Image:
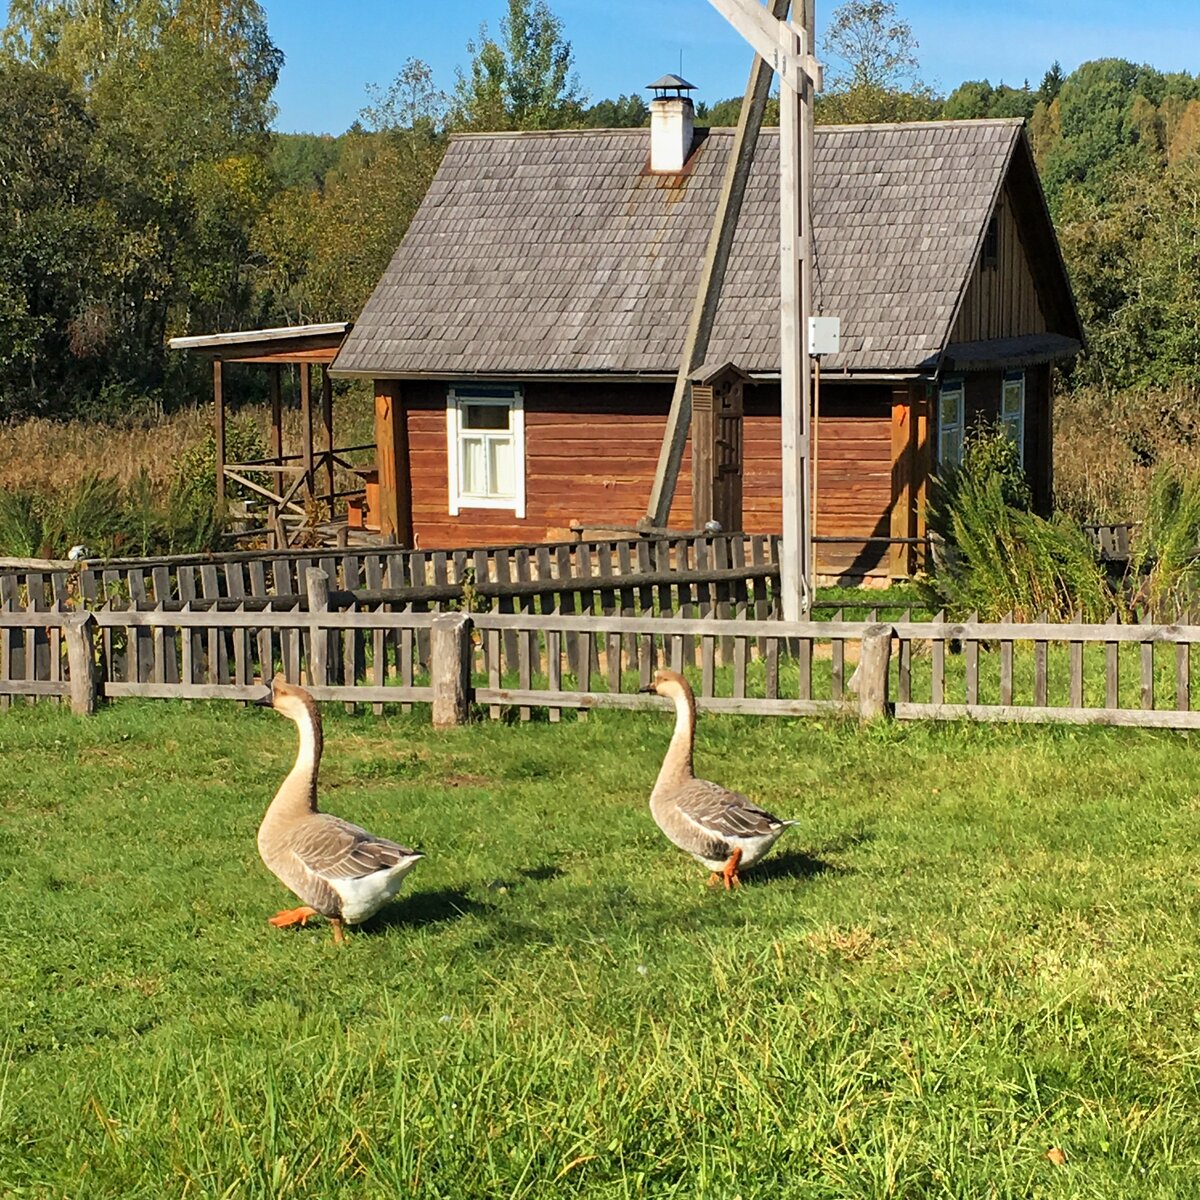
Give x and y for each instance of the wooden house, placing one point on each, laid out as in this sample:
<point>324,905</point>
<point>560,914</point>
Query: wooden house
<point>525,337</point>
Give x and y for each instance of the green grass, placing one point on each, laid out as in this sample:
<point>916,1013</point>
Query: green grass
<point>978,944</point>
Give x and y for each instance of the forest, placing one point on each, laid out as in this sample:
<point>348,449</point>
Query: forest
<point>146,196</point>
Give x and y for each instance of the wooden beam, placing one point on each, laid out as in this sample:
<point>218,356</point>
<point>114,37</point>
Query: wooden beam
<point>712,277</point>
<point>327,421</point>
<point>903,524</point>
<point>391,460</point>
<point>786,55</point>
<point>276,388</point>
<point>795,304</point>
<point>922,466</point>
<point>306,426</point>
<point>219,427</point>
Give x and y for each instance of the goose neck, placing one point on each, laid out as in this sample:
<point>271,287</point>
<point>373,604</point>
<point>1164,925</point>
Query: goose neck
<point>298,792</point>
<point>677,766</point>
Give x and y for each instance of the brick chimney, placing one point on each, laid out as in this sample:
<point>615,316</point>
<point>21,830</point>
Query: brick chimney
<point>671,124</point>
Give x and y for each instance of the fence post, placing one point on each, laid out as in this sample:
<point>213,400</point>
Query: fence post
<point>450,668</point>
<point>80,635</point>
<point>316,583</point>
<point>870,680</point>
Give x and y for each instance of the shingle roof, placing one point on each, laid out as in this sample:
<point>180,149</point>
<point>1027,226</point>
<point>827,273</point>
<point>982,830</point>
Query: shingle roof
<point>559,252</point>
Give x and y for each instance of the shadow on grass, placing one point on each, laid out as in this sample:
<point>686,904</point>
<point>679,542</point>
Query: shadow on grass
<point>428,908</point>
<point>793,864</point>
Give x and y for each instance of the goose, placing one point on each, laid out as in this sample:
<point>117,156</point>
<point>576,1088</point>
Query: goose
<point>339,870</point>
<point>720,829</point>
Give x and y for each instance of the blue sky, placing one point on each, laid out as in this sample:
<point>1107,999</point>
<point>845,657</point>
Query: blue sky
<point>335,48</point>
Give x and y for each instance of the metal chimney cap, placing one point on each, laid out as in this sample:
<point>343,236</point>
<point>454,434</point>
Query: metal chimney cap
<point>674,83</point>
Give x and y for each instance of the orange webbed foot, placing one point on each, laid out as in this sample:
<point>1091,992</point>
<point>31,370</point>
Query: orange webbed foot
<point>292,916</point>
<point>730,871</point>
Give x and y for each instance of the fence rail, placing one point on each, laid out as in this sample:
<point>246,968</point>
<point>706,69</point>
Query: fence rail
<point>523,663</point>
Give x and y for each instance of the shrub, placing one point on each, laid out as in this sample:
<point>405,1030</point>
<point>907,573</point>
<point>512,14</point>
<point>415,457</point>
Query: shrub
<point>998,556</point>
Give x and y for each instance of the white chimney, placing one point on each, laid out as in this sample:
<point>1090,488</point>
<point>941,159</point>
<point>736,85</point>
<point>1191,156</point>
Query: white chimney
<point>671,124</point>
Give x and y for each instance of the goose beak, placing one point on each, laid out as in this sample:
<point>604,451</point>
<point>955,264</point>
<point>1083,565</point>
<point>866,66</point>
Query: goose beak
<point>266,699</point>
<point>649,688</point>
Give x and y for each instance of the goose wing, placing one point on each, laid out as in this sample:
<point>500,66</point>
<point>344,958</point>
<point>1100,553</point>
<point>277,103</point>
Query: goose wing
<point>336,849</point>
<point>724,814</point>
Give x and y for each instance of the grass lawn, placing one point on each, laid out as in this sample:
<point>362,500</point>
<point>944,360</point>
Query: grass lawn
<point>978,945</point>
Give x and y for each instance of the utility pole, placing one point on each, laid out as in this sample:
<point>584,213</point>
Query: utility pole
<point>788,48</point>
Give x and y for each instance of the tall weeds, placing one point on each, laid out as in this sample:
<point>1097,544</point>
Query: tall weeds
<point>997,556</point>
<point>1166,550</point>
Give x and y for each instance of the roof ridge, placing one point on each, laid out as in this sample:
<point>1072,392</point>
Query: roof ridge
<point>729,130</point>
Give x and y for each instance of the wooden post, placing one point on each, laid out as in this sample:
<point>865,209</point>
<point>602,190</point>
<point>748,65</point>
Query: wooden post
<point>306,427</point>
<point>870,680</point>
<point>903,438</point>
<point>276,381</point>
<point>316,584</point>
<point>219,427</point>
<point>450,669</point>
<point>327,421</point>
<point>391,461</point>
<point>922,468</point>
<point>80,635</point>
<point>712,277</point>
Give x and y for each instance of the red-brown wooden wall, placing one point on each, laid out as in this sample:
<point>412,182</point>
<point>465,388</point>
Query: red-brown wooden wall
<point>591,451</point>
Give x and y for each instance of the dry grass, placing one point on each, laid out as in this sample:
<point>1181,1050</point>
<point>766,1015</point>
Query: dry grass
<point>1107,448</point>
<point>43,456</point>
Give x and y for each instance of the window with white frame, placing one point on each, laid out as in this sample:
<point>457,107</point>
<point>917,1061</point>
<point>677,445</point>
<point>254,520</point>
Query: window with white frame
<point>951,420</point>
<point>485,442</point>
<point>1012,410</point>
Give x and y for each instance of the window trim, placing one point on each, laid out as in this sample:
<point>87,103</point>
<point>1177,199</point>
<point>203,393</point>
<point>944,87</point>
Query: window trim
<point>953,384</point>
<point>511,395</point>
<point>1015,377</point>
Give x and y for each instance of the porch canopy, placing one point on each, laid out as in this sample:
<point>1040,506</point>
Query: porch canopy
<point>295,475</point>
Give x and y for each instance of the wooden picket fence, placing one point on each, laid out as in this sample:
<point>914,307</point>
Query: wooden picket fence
<point>703,574</point>
<point>521,664</point>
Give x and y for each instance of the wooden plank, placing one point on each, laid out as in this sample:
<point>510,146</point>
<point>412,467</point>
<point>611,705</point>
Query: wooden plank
<point>554,670</point>
<point>971,655</point>
<point>1006,673</point>
<point>31,689</point>
<point>1147,658</point>
<point>1183,677</point>
<point>230,691</point>
<point>493,670</point>
<point>256,572</point>
<point>8,602</point>
<point>838,658</point>
<point>771,658</point>
<point>1040,714</point>
<point>938,662</point>
<point>750,706</point>
<point>1075,658</point>
<point>1112,689</point>
<point>166,653</point>
<point>901,521</point>
<point>217,663</point>
<point>235,589</point>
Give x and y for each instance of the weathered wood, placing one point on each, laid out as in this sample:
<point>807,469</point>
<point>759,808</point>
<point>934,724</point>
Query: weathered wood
<point>80,636</point>
<point>391,440</point>
<point>1041,714</point>
<point>450,669</point>
<point>748,706</point>
<point>870,679</point>
<point>219,427</point>
<point>316,583</point>
<point>712,278</point>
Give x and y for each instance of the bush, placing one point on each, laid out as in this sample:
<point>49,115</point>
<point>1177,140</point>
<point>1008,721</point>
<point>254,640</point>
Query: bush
<point>997,556</point>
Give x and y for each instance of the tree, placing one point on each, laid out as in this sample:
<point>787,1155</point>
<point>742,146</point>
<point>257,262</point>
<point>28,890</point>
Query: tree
<point>875,47</point>
<point>625,112</point>
<point>877,79</point>
<point>1051,84</point>
<point>53,319</point>
<point>179,95</point>
<point>524,81</point>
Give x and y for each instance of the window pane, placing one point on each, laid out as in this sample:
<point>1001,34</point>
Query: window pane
<point>500,457</point>
<point>474,466</point>
<point>1012,400</point>
<point>951,448</point>
<point>485,416</point>
<point>951,408</point>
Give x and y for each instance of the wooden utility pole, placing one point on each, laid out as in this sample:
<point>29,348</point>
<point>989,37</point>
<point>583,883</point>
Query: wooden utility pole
<point>712,278</point>
<point>788,48</point>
